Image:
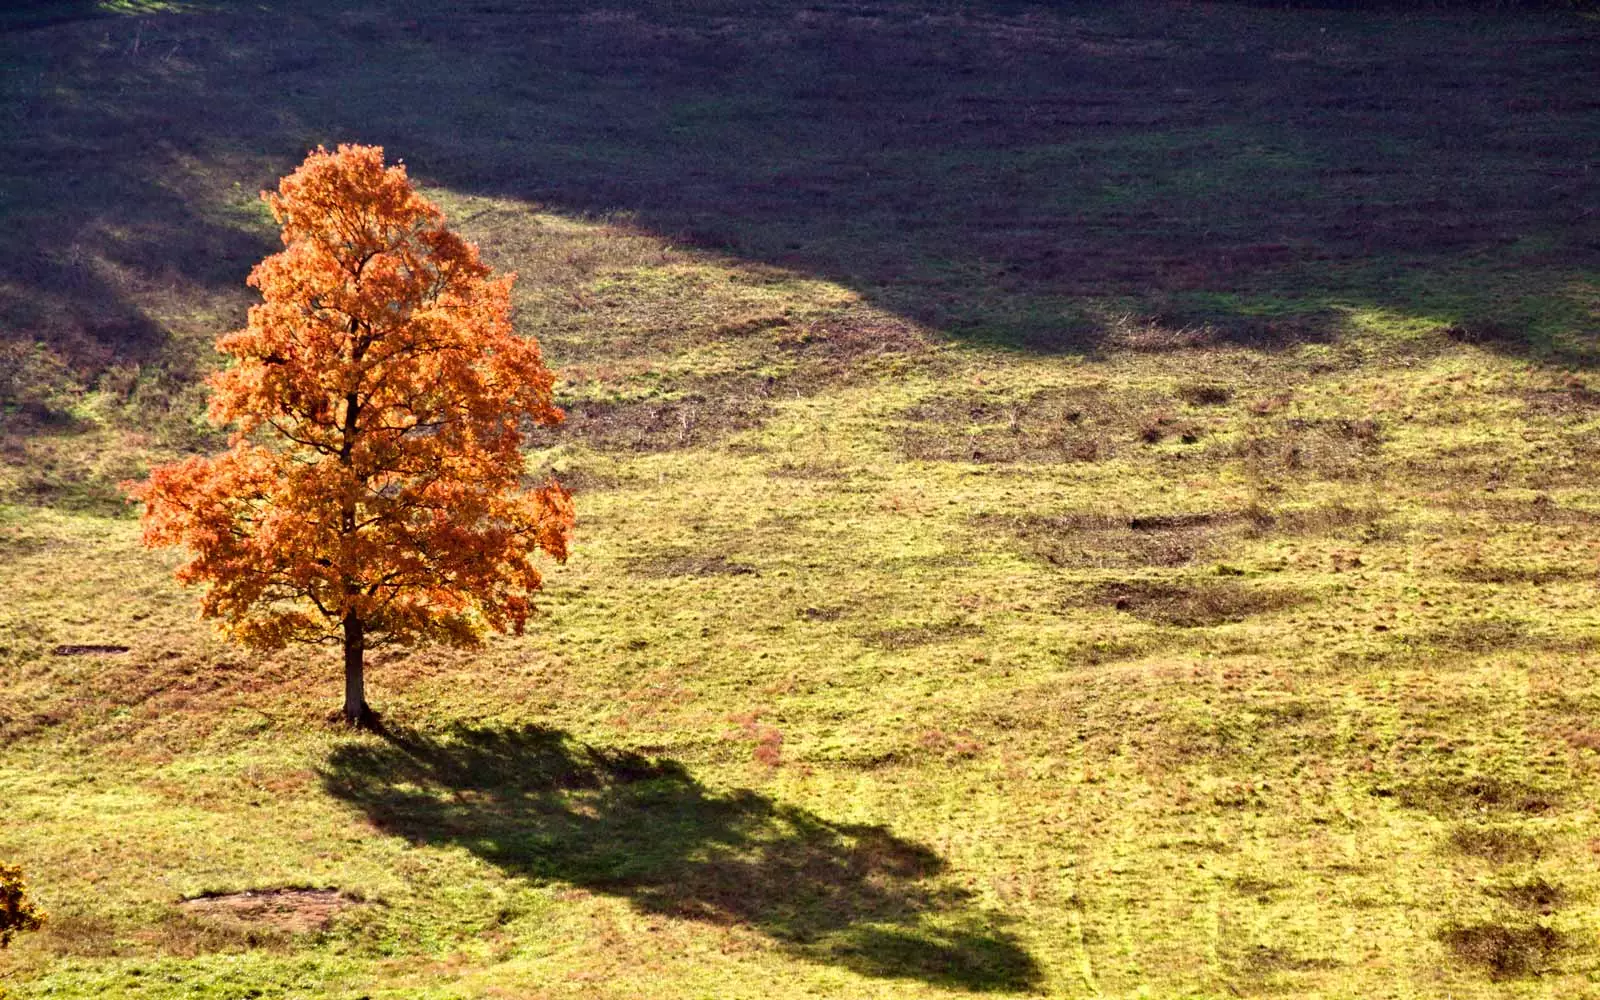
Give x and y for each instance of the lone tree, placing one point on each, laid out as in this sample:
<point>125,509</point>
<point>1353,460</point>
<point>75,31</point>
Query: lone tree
<point>372,493</point>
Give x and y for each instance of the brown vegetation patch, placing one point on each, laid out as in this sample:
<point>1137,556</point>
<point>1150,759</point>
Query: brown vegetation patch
<point>577,480</point>
<point>88,649</point>
<point>1490,333</point>
<point>809,469</point>
<point>1264,959</point>
<point>1584,739</point>
<point>1196,604</point>
<point>816,614</point>
<point>1499,844</point>
<point>688,420</point>
<point>1541,509</point>
<point>1151,336</point>
<point>1081,424</point>
<point>165,693</point>
<point>1159,426</point>
<point>1531,894</point>
<point>1491,635</point>
<point>836,346</point>
<point>1573,400</point>
<point>1083,539</point>
<point>687,563</point>
<point>1169,331</point>
<point>1336,448</point>
<point>1049,447</point>
<point>193,935</point>
<point>1249,885</point>
<point>1502,573</point>
<point>1319,520</point>
<point>180,934</point>
<point>1266,406</point>
<point>923,634</point>
<point>1204,393</point>
<point>1474,794</point>
<point>81,935</point>
<point>1506,952</point>
<point>290,911</point>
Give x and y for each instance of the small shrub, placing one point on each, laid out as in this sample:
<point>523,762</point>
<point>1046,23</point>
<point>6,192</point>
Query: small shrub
<point>17,912</point>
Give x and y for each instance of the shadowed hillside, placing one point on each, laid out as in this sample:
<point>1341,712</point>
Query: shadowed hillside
<point>1011,173</point>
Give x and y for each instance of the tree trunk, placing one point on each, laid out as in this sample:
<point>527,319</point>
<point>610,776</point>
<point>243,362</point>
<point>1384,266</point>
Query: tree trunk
<point>355,690</point>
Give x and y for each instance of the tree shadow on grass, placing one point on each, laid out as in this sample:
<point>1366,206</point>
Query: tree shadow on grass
<point>543,806</point>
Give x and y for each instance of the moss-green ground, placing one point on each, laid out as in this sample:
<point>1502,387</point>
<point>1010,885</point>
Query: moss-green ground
<point>1105,506</point>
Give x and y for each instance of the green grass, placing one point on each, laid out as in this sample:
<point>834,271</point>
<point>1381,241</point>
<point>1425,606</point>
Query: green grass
<point>1103,504</point>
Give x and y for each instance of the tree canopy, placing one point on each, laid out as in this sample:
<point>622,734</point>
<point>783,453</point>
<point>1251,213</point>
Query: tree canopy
<point>373,490</point>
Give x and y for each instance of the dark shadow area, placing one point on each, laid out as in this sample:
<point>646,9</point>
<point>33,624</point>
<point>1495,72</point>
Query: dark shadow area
<point>543,806</point>
<point>20,15</point>
<point>1006,173</point>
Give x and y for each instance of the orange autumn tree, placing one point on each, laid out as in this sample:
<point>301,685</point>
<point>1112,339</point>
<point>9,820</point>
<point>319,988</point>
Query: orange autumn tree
<point>378,398</point>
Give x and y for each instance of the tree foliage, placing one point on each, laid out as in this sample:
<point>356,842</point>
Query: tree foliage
<point>378,397</point>
<point>17,912</point>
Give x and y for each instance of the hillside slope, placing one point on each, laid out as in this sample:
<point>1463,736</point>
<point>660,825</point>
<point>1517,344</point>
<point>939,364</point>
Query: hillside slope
<point>1084,502</point>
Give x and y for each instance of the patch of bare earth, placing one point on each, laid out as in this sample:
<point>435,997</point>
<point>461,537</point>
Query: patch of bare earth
<point>291,911</point>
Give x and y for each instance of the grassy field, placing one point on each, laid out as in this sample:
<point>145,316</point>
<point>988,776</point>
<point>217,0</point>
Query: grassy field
<point>1075,501</point>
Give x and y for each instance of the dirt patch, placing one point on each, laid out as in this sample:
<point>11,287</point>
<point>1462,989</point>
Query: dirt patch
<point>1151,336</point>
<point>1048,447</point>
<point>1204,393</point>
<point>687,420</point>
<point>1490,333</point>
<point>1499,844</point>
<point>1264,960</point>
<point>1334,448</point>
<point>1194,604</point>
<point>1505,952</point>
<point>291,911</point>
<point>839,345</point>
<point>88,649</point>
<point>1539,510</point>
<point>1575,399</point>
<point>810,470</point>
<point>1249,885</point>
<point>1082,539</point>
<point>578,480</point>
<point>1499,573</point>
<point>1324,519</point>
<point>1172,331</point>
<point>674,564</point>
<point>1493,635</point>
<point>922,634</point>
<point>1475,794</point>
<point>1533,894</point>
<point>1081,424</point>
<point>821,614</point>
